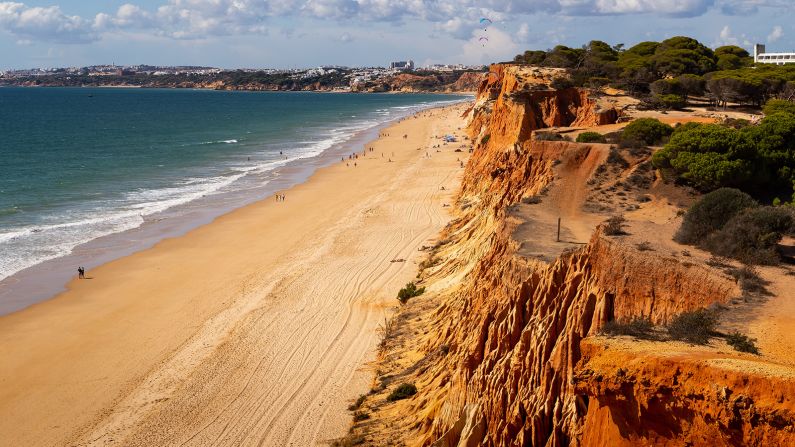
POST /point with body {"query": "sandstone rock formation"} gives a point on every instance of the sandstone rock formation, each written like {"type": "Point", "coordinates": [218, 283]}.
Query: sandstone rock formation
{"type": "Point", "coordinates": [508, 351]}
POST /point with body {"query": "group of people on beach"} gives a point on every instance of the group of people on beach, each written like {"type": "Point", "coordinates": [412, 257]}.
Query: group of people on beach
{"type": "Point", "coordinates": [81, 272]}
{"type": "Point", "coordinates": [280, 197]}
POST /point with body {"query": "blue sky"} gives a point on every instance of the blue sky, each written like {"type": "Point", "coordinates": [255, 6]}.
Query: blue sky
{"type": "Point", "coordinates": [306, 33]}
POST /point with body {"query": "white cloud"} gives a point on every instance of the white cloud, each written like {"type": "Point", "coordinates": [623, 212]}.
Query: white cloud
{"type": "Point", "coordinates": [745, 7]}
{"type": "Point", "coordinates": [523, 34]}
{"type": "Point", "coordinates": [48, 24]}
{"type": "Point", "coordinates": [727, 37]}
{"type": "Point", "coordinates": [455, 27]}
{"type": "Point", "coordinates": [668, 7]}
{"type": "Point", "coordinates": [500, 46]}
{"type": "Point", "coordinates": [776, 34]}
{"type": "Point", "coordinates": [187, 19]}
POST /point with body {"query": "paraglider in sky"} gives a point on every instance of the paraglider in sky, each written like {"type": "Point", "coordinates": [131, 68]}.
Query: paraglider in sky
{"type": "Point", "coordinates": [483, 40]}
{"type": "Point", "coordinates": [485, 22]}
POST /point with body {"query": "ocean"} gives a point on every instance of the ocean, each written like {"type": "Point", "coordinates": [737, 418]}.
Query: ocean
{"type": "Point", "coordinates": [79, 164]}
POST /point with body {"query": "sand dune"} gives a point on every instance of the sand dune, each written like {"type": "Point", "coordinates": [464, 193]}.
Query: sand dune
{"type": "Point", "coordinates": [253, 330]}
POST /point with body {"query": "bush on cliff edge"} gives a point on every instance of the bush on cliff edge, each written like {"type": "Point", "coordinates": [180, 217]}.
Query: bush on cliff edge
{"type": "Point", "coordinates": [693, 327]}
{"type": "Point", "coordinates": [410, 291]}
{"type": "Point", "coordinates": [405, 390]}
{"type": "Point", "coordinates": [711, 213]}
{"type": "Point", "coordinates": [591, 137]}
{"type": "Point", "coordinates": [742, 343]}
{"type": "Point", "coordinates": [752, 236]}
{"type": "Point", "coordinates": [729, 223]}
{"type": "Point", "coordinates": [647, 130]}
{"type": "Point", "coordinates": [638, 327]}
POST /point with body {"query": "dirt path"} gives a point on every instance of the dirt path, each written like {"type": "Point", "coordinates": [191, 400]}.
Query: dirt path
{"type": "Point", "coordinates": [564, 200]}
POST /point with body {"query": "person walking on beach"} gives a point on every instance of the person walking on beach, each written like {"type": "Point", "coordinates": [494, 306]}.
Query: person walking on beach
{"type": "Point", "coordinates": [81, 273]}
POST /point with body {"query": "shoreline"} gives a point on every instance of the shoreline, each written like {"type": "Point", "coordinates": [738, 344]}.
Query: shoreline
{"type": "Point", "coordinates": [391, 92]}
{"type": "Point", "coordinates": [45, 280]}
{"type": "Point", "coordinates": [255, 326]}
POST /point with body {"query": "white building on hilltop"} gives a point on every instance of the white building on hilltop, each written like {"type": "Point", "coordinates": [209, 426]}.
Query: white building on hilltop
{"type": "Point", "coordinates": [402, 65]}
{"type": "Point", "coordinates": [762, 57]}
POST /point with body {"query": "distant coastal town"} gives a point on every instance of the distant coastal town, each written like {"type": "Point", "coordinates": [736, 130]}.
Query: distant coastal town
{"type": "Point", "coordinates": [400, 76]}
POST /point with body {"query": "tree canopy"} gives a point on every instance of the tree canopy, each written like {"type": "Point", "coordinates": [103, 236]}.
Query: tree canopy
{"type": "Point", "coordinates": [689, 68]}
{"type": "Point", "coordinates": [757, 159]}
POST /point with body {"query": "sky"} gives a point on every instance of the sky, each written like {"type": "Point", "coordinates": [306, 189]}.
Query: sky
{"type": "Point", "coordinates": [307, 33]}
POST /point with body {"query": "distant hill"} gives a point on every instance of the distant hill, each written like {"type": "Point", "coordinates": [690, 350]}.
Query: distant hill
{"type": "Point", "coordinates": [354, 80]}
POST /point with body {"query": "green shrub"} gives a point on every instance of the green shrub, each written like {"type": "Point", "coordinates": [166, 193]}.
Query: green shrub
{"type": "Point", "coordinates": [359, 401]}
{"type": "Point", "coordinates": [671, 101]}
{"type": "Point", "coordinates": [614, 158]}
{"type": "Point", "coordinates": [748, 279]}
{"type": "Point", "coordinates": [561, 83]}
{"type": "Point", "coordinates": [663, 87]}
{"type": "Point", "coordinates": [742, 343]}
{"type": "Point", "coordinates": [711, 213]}
{"type": "Point", "coordinates": [614, 226]}
{"type": "Point", "coordinates": [637, 327]}
{"type": "Point", "coordinates": [403, 391]}
{"type": "Point", "coordinates": [485, 139]}
{"type": "Point", "coordinates": [647, 130]}
{"type": "Point", "coordinates": [693, 327]}
{"type": "Point", "coordinates": [736, 123]}
{"type": "Point", "coordinates": [410, 291]}
{"type": "Point", "coordinates": [752, 236]}
{"type": "Point", "coordinates": [591, 137]}
{"type": "Point", "coordinates": [755, 159]}
{"type": "Point", "coordinates": [779, 105]}
{"type": "Point", "coordinates": [550, 136]}
{"type": "Point", "coordinates": [360, 416]}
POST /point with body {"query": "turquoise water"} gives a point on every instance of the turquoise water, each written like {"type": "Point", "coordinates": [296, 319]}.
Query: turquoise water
{"type": "Point", "coordinates": [78, 164]}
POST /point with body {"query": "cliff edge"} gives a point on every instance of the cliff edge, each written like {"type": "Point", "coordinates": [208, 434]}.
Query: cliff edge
{"type": "Point", "coordinates": [505, 347]}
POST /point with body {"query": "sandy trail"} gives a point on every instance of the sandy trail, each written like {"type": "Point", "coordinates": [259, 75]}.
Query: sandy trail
{"type": "Point", "coordinates": [252, 330]}
{"type": "Point", "coordinates": [564, 200]}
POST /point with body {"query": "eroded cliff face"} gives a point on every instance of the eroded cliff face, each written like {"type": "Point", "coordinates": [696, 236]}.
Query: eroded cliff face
{"type": "Point", "coordinates": [508, 352]}
{"type": "Point", "coordinates": [513, 101]}
{"type": "Point", "coordinates": [640, 395]}
{"type": "Point", "coordinates": [515, 336]}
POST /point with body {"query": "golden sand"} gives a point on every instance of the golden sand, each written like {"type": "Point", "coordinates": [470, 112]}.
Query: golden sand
{"type": "Point", "coordinates": [252, 330]}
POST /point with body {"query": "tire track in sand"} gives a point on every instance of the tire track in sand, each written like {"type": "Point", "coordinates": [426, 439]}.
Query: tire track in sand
{"type": "Point", "coordinates": [279, 365]}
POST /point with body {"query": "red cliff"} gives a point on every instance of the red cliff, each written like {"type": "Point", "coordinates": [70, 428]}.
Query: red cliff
{"type": "Point", "coordinates": [505, 350]}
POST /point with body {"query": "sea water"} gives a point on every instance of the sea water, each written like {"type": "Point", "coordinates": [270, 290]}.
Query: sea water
{"type": "Point", "coordinates": [77, 164]}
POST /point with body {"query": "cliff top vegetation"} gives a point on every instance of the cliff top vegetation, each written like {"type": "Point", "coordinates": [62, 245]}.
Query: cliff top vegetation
{"type": "Point", "coordinates": [667, 73]}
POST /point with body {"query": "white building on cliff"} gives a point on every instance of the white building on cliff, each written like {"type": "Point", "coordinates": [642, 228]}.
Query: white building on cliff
{"type": "Point", "coordinates": [402, 65]}
{"type": "Point", "coordinates": [762, 57]}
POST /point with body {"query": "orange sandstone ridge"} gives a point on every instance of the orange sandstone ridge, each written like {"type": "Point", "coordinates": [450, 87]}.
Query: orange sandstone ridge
{"type": "Point", "coordinates": [505, 346]}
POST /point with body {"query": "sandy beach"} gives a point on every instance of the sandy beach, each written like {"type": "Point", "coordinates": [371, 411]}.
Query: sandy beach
{"type": "Point", "coordinates": [255, 329]}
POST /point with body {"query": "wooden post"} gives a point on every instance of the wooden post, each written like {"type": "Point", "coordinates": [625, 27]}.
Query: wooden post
{"type": "Point", "coordinates": [558, 239]}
